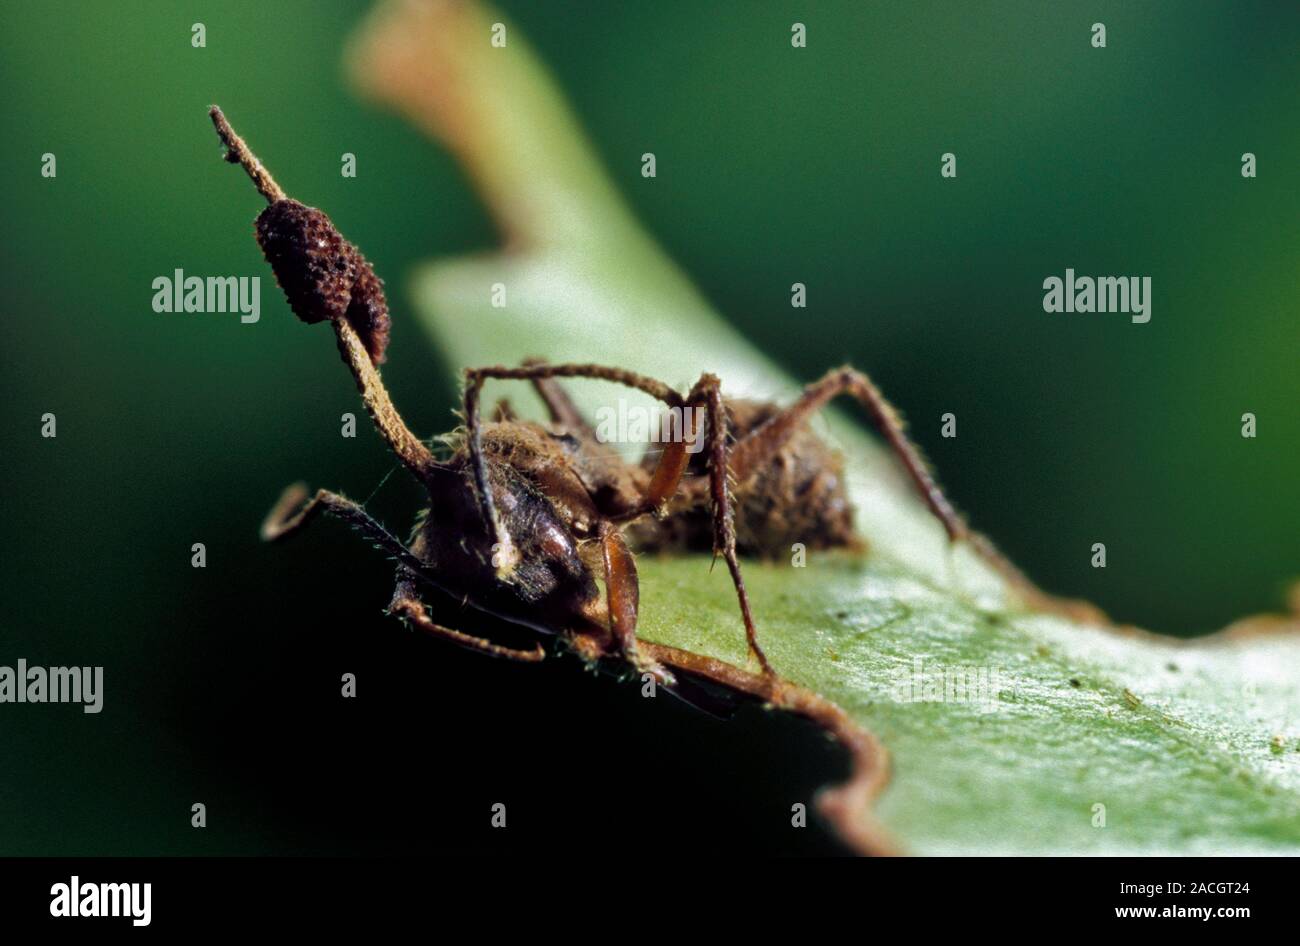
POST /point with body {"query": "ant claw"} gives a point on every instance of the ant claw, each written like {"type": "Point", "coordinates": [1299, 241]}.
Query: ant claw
{"type": "Point", "coordinates": [664, 677]}
{"type": "Point", "coordinates": [645, 665]}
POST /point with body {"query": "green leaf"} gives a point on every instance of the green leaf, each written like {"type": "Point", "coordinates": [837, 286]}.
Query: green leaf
{"type": "Point", "coordinates": [1036, 720]}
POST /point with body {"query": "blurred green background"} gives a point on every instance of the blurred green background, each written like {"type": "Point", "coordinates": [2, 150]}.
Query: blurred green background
{"type": "Point", "coordinates": [775, 166]}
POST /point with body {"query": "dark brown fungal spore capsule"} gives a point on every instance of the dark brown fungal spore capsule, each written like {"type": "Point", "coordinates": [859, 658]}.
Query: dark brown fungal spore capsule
{"type": "Point", "coordinates": [368, 310]}
{"type": "Point", "coordinates": [323, 275]}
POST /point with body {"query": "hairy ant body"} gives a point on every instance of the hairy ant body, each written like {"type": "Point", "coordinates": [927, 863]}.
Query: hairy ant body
{"type": "Point", "coordinates": [527, 520]}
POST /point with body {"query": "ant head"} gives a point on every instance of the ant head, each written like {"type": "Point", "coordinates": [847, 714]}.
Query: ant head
{"type": "Point", "coordinates": [534, 567]}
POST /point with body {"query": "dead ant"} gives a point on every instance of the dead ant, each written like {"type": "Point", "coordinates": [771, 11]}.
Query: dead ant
{"type": "Point", "coordinates": [525, 517]}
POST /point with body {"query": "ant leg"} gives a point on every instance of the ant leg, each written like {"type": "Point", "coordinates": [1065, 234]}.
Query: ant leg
{"type": "Point", "coordinates": [291, 514]}
{"type": "Point", "coordinates": [709, 388]}
{"type": "Point", "coordinates": [408, 606]}
{"type": "Point", "coordinates": [672, 461]}
{"type": "Point", "coordinates": [558, 403]}
{"type": "Point", "coordinates": [763, 443]}
{"type": "Point", "coordinates": [533, 369]}
{"type": "Point", "coordinates": [504, 411]}
{"type": "Point", "coordinates": [622, 593]}
{"type": "Point", "coordinates": [282, 522]}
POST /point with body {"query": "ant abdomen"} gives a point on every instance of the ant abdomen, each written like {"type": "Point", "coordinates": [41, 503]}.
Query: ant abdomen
{"type": "Point", "coordinates": [796, 499]}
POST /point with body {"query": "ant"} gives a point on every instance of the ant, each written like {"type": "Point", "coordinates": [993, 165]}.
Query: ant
{"type": "Point", "coordinates": [527, 520]}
